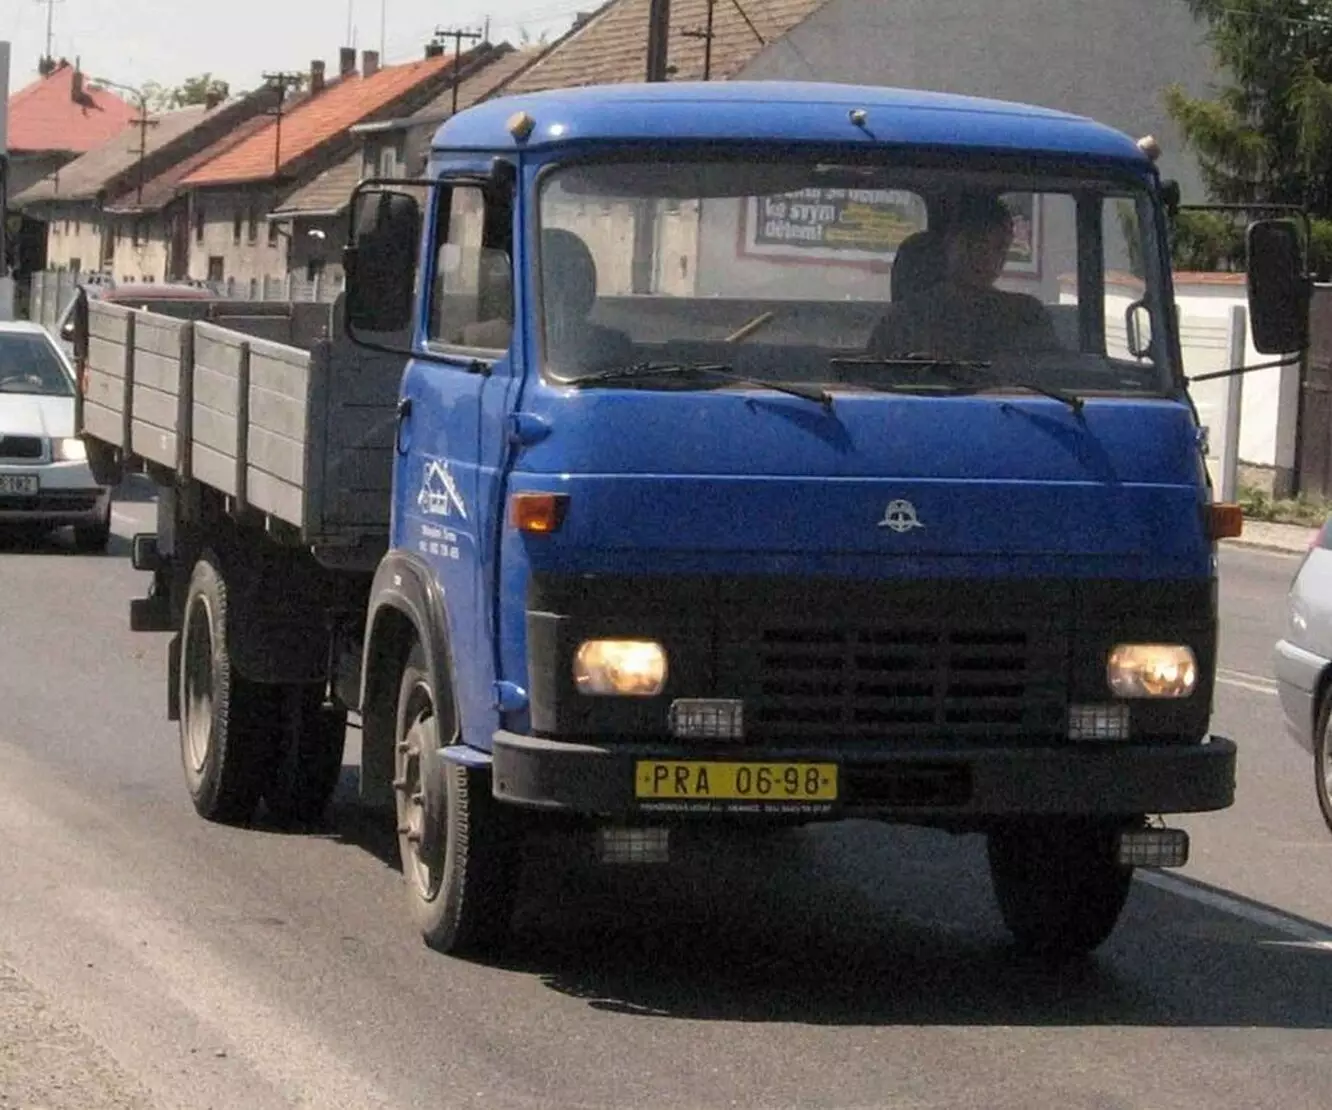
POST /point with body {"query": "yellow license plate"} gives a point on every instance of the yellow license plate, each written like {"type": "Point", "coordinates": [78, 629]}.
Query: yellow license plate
{"type": "Point", "coordinates": [702, 781]}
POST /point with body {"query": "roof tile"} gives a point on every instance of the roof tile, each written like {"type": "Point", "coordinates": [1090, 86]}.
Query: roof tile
{"type": "Point", "coordinates": [45, 115]}
{"type": "Point", "coordinates": [611, 47]}
{"type": "Point", "coordinates": [312, 124]}
{"type": "Point", "coordinates": [327, 193]}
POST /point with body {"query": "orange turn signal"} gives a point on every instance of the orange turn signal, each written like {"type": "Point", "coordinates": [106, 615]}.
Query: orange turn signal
{"type": "Point", "coordinates": [1225, 520]}
{"type": "Point", "coordinates": [541, 513]}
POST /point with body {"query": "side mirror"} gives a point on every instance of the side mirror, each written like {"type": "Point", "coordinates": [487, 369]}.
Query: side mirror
{"type": "Point", "coordinates": [1278, 288]}
{"type": "Point", "coordinates": [380, 262]}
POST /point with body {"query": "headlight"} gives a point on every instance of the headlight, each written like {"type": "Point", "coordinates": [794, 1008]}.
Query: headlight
{"type": "Point", "coordinates": [623, 668]}
{"type": "Point", "coordinates": [1152, 671]}
{"type": "Point", "coordinates": [69, 450]}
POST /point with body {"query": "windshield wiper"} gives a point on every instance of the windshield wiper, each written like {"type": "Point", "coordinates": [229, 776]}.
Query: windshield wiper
{"type": "Point", "coordinates": [717, 370]}
{"type": "Point", "coordinates": [956, 367]}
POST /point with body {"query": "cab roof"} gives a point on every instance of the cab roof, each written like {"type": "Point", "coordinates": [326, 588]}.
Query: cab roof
{"type": "Point", "coordinates": [791, 111]}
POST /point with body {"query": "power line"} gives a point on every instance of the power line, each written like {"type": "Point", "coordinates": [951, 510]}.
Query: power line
{"type": "Point", "coordinates": [50, 28]}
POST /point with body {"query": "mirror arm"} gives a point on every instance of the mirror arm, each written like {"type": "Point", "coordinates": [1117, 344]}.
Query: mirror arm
{"type": "Point", "coordinates": [1294, 360]}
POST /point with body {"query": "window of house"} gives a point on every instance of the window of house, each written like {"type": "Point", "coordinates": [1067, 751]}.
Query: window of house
{"type": "Point", "coordinates": [136, 236]}
{"type": "Point", "coordinates": [78, 227]}
{"type": "Point", "coordinates": [216, 268]}
{"type": "Point", "coordinates": [471, 302]}
{"type": "Point", "coordinates": [199, 225]}
{"type": "Point", "coordinates": [272, 233]}
{"type": "Point", "coordinates": [236, 224]}
{"type": "Point", "coordinates": [252, 230]}
{"type": "Point", "coordinates": [76, 265]}
{"type": "Point", "coordinates": [314, 270]}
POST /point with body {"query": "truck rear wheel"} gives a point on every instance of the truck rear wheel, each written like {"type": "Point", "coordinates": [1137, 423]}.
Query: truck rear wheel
{"type": "Point", "coordinates": [459, 858]}
{"type": "Point", "coordinates": [1059, 888]}
{"type": "Point", "coordinates": [307, 754]}
{"type": "Point", "coordinates": [223, 726]}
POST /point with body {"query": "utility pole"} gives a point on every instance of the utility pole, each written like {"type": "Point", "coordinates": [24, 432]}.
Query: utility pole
{"type": "Point", "coordinates": [143, 121]}
{"type": "Point", "coordinates": [659, 33]}
{"type": "Point", "coordinates": [707, 36]}
{"type": "Point", "coordinates": [457, 35]}
{"type": "Point", "coordinates": [280, 81]}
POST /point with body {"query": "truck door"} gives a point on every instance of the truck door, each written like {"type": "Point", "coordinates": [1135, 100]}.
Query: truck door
{"type": "Point", "coordinates": [452, 424]}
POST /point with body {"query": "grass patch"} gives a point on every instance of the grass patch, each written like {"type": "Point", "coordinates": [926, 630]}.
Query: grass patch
{"type": "Point", "coordinates": [1308, 512]}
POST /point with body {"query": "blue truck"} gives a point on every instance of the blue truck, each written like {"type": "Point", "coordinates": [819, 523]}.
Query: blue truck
{"type": "Point", "coordinates": [684, 458]}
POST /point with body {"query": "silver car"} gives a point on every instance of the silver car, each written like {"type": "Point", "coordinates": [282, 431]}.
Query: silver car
{"type": "Point", "coordinates": [45, 482]}
{"type": "Point", "coordinates": [1303, 660]}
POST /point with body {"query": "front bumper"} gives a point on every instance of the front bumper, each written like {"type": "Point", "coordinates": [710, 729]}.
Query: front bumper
{"type": "Point", "coordinates": [67, 493]}
{"type": "Point", "coordinates": [945, 785]}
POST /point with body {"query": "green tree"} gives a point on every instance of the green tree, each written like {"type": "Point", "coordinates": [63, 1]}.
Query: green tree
{"type": "Point", "coordinates": [193, 90]}
{"type": "Point", "coordinates": [1265, 136]}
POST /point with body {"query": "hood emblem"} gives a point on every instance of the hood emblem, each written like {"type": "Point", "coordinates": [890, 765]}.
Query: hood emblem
{"type": "Point", "coordinates": [901, 517]}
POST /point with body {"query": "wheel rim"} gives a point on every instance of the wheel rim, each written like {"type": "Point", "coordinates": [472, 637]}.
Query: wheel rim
{"type": "Point", "coordinates": [418, 822]}
{"type": "Point", "coordinates": [198, 694]}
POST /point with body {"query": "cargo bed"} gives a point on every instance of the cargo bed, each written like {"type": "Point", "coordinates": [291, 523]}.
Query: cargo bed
{"type": "Point", "coordinates": [302, 436]}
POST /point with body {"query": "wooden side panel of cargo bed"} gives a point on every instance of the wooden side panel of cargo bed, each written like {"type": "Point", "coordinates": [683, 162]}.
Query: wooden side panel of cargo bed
{"type": "Point", "coordinates": [109, 373]}
{"type": "Point", "coordinates": [159, 417]}
{"type": "Point", "coordinates": [221, 370]}
{"type": "Point", "coordinates": [276, 447]}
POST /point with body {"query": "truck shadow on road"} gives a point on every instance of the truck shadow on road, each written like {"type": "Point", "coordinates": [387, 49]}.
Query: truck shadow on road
{"type": "Point", "coordinates": [906, 935]}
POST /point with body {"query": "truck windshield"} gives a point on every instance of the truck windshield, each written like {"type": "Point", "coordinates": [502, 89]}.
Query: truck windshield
{"type": "Point", "coordinates": [853, 276]}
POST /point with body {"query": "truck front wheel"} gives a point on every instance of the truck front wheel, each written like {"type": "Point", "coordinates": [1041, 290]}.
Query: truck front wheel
{"type": "Point", "coordinates": [1059, 887]}
{"type": "Point", "coordinates": [223, 730]}
{"type": "Point", "coordinates": [459, 856]}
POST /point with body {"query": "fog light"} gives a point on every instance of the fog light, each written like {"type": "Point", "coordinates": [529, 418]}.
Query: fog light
{"type": "Point", "coordinates": [707, 718]}
{"type": "Point", "coordinates": [1154, 848]}
{"type": "Point", "coordinates": [1098, 722]}
{"type": "Point", "coordinates": [620, 668]}
{"type": "Point", "coordinates": [1152, 671]}
{"type": "Point", "coordinates": [634, 845]}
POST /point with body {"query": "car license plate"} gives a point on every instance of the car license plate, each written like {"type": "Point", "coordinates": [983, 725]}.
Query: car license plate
{"type": "Point", "coordinates": [18, 483]}
{"type": "Point", "coordinates": [705, 781]}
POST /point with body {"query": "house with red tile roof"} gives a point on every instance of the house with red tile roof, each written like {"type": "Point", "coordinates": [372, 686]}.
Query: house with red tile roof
{"type": "Point", "coordinates": [72, 201]}
{"type": "Point", "coordinates": [55, 119]}
{"type": "Point", "coordinates": [230, 195]}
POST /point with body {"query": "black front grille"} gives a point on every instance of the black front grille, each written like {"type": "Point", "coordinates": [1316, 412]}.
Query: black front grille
{"type": "Point", "coordinates": [929, 681]}
{"type": "Point", "coordinates": [50, 502]}
{"type": "Point", "coordinates": [20, 447]}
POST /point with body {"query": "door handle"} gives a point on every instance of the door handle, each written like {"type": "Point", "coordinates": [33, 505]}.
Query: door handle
{"type": "Point", "coordinates": [404, 414]}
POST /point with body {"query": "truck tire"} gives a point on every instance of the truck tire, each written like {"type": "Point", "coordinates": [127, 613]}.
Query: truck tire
{"type": "Point", "coordinates": [224, 730]}
{"type": "Point", "coordinates": [1059, 889]}
{"type": "Point", "coordinates": [307, 755]}
{"type": "Point", "coordinates": [459, 856]}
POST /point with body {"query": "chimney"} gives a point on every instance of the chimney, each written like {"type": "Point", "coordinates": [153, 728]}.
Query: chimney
{"type": "Point", "coordinates": [581, 18]}
{"type": "Point", "coordinates": [346, 61]}
{"type": "Point", "coordinates": [76, 93]}
{"type": "Point", "coordinates": [369, 63]}
{"type": "Point", "coordinates": [316, 76]}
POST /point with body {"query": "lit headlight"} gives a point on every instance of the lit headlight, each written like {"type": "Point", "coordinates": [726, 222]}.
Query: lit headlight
{"type": "Point", "coordinates": [620, 668]}
{"type": "Point", "coordinates": [1152, 671]}
{"type": "Point", "coordinates": [69, 450]}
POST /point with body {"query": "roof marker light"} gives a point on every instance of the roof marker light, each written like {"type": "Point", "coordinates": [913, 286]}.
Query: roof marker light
{"type": "Point", "coordinates": [521, 125]}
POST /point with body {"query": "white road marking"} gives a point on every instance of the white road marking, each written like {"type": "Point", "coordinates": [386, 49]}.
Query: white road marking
{"type": "Point", "coordinates": [1243, 680]}
{"type": "Point", "coordinates": [1298, 931]}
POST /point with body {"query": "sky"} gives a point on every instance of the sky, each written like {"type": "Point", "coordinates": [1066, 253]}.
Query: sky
{"type": "Point", "coordinates": [135, 41]}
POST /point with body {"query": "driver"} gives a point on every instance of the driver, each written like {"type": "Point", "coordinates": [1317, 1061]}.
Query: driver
{"type": "Point", "coordinates": [965, 316]}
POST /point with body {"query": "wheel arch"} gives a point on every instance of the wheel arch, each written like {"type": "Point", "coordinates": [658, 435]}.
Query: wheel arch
{"type": "Point", "coordinates": [406, 606]}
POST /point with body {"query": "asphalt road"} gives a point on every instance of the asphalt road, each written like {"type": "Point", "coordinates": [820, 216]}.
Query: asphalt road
{"type": "Point", "coordinates": [846, 967]}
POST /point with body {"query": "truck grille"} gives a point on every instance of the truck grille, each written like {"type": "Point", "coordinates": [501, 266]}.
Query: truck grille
{"type": "Point", "coordinates": [940, 680]}
{"type": "Point", "coordinates": [20, 447]}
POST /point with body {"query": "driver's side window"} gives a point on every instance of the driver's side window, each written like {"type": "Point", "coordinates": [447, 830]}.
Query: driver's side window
{"type": "Point", "coordinates": [471, 299]}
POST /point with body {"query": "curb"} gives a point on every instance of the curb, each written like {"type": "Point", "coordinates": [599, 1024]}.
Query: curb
{"type": "Point", "coordinates": [1259, 545]}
